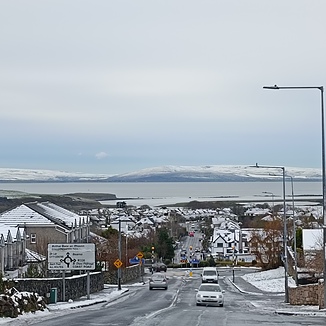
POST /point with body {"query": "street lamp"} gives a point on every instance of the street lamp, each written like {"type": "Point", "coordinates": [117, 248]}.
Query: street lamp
{"type": "Point", "coordinates": [321, 88]}
{"type": "Point", "coordinates": [120, 251]}
{"type": "Point", "coordinates": [294, 235]}
{"type": "Point", "coordinates": [285, 260]}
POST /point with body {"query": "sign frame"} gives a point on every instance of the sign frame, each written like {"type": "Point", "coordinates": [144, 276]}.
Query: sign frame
{"type": "Point", "coordinates": [71, 256]}
{"type": "Point", "coordinates": [117, 263]}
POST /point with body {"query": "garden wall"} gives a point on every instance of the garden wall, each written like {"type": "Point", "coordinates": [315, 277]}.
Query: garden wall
{"type": "Point", "coordinates": [131, 273]}
{"type": "Point", "coordinates": [311, 294]}
{"type": "Point", "coordinates": [75, 286]}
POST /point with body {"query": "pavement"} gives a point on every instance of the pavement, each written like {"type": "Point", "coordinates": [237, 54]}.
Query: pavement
{"type": "Point", "coordinates": [277, 305]}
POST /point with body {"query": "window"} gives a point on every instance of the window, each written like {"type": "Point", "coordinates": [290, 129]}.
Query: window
{"type": "Point", "coordinates": [33, 238]}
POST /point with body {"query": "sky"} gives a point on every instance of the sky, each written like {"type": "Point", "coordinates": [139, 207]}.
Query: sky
{"type": "Point", "coordinates": [113, 87]}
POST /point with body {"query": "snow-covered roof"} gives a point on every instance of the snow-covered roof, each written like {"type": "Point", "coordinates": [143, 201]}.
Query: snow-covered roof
{"type": "Point", "coordinates": [256, 211]}
{"type": "Point", "coordinates": [56, 213]}
{"type": "Point", "coordinates": [23, 215]}
{"type": "Point", "coordinates": [226, 235]}
{"type": "Point", "coordinates": [33, 257]}
{"type": "Point", "coordinates": [35, 213]}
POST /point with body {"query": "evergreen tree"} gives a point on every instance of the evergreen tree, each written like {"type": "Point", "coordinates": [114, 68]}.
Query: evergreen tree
{"type": "Point", "coordinates": [164, 246]}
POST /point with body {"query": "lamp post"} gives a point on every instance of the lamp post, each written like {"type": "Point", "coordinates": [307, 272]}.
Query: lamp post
{"type": "Point", "coordinates": [294, 236]}
{"type": "Point", "coordinates": [153, 248]}
{"type": "Point", "coordinates": [119, 249]}
{"type": "Point", "coordinates": [321, 89]}
{"type": "Point", "coordinates": [285, 260]}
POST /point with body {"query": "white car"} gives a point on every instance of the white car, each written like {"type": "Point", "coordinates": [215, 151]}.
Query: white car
{"type": "Point", "coordinates": [210, 294]}
{"type": "Point", "coordinates": [209, 275]}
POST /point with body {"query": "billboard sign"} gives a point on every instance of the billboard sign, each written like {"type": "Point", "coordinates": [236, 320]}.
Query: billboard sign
{"type": "Point", "coordinates": [71, 256]}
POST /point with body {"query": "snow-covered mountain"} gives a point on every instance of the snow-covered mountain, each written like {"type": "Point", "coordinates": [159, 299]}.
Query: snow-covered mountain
{"type": "Point", "coordinates": [207, 173]}
{"type": "Point", "coordinates": [26, 175]}
{"type": "Point", "coordinates": [217, 173]}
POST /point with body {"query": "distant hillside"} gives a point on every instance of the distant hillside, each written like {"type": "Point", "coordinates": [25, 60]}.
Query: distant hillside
{"type": "Point", "coordinates": [215, 173]}
{"type": "Point", "coordinates": [207, 173]}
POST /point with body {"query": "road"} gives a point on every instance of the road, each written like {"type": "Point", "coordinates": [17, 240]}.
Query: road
{"type": "Point", "coordinates": [187, 248]}
{"type": "Point", "coordinates": [176, 306]}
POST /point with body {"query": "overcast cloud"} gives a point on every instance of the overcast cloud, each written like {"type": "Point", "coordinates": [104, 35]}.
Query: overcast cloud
{"type": "Point", "coordinates": [117, 86]}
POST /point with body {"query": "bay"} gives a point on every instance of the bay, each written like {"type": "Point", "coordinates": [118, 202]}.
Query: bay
{"type": "Point", "coordinates": [163, 193]}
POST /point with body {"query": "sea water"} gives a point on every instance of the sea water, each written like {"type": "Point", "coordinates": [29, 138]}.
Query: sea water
{"type": "Point", "coordinates": [163, 193]}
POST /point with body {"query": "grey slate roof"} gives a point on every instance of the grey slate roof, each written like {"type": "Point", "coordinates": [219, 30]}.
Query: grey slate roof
{"type": "Point", "coordinates": [35, 213]}
{"type": "Point", "coordinates": [55, 213]}
{"type": "Point", "coordinates": [23, 215]}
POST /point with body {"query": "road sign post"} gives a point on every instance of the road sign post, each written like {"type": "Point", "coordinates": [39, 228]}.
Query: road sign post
{"type": "Point", "coordinates": [71, 256]}
{"type": "Point", "coordinates": [140, 256]}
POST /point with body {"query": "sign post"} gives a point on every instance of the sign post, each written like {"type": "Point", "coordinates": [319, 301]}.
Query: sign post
{"type": "Point", "coordinates": [140, 256]}
{"type": "Point", "coordinates": [71, 256]}
{"type": "Point", "coordinates": [118, 263]}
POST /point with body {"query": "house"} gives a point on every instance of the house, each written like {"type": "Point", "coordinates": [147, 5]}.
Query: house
{"type": "Point", "coordinates": [123, 223]}
{"type": "Point", "coordinates": [45, 223]}
{"type": "Point", "coordinates": [12, 248]}
{"type": "Point", "coordinates": [256, 211]}
{"type": "Point", "coordinates": [230, 243]}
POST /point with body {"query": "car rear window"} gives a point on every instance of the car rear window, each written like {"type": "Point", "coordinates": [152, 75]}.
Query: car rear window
{"type": "Point", "coordinates": [209, 273]}
{"type": "Point", "coordinates": [206, 287]}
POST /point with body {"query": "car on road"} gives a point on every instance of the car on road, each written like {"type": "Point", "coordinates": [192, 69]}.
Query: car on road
{"type": "Point", "coordinates": [209, 275]}
{"type": "Point", "coordinates": [210, 294]}
{"type": "Point", "coordinates": [158, 281]}
{"type": "Point", "coordinates": [159, 267]}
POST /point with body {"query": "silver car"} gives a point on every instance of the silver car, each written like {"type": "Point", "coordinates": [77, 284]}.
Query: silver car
{"type": "Point", "coordinates": [158, 281]}
{"type": "Point", "coordinates": [210, 294]}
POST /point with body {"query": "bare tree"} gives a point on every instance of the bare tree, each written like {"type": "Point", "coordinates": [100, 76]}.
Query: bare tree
{"type": "Point", "coordinates": [266, 243]}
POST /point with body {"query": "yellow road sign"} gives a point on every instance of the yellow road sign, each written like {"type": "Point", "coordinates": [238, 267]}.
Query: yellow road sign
{"type": "Point", "coordinates": [140, 255]}
{"type": "Point", "coordinates": [118, 263]}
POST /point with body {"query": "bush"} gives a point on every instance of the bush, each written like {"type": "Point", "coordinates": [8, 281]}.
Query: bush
{"type": "Point", "coordinates": [14, 303]}
{"type": "Point", "coordinates": [167, 262]}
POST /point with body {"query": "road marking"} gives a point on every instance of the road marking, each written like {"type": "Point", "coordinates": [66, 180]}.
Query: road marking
{"type": "Point", "coordinates": [153, 314]}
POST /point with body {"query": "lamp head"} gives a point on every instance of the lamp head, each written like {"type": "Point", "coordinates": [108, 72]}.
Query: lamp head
{"type": "Point", "coordinates": [271, 87]}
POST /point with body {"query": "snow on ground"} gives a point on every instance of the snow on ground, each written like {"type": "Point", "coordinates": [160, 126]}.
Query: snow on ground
{"type": "Point", "coordinates": [270, 281]}
{"type": "Point", "coordinates": [109, 293]}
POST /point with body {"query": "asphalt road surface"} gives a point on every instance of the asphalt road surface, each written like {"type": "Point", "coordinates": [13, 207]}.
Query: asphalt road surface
{"type": "Point", "coordinates": [176, 306]}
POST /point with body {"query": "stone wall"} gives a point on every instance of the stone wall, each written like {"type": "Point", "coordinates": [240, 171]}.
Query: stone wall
{"type": "Point", "coordinates": [75, 286]}
{"type": "Point", "coordinates": [312, 294]}
{"type": "Point", "coordinates": [131, 273]}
